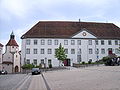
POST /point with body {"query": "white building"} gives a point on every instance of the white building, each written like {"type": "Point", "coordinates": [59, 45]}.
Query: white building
{"type": "Point", "coordinates": [11, 57]}
{"type": "Point", "coordinates": [83, 41]}
{"type": "Point", "coordinates": [1, 51]}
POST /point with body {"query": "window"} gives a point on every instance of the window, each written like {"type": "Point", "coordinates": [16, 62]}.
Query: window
{"type": "Point", "coordinates": [117, 51]}
{"type": "Point", "coordinates": [28, 61]}
{"type": "Point", "coordinates": [109, 42]}
{"type": "Point", "coordinates": [42, 61]}
{"type": "Point", "coordinates": [55, 50]}
{"type": "Point", "coordinates": [116, 42]}
{"type": "Point", "coordinates": [72, 42]}
{"type": "Point", "coordinates": [79, 51]}
{"type": "Point", "coordinates": [65, 42]}
{"type": "Point", "coordinates": [90, 42]}
{"type": "Point", "coordinates": [49, 61]}
{"type": "Point", "coordinates": [102, 42]}
{"type": "Point", "coordinates": [49, 42]}
{"type": "Point", "coordinates": [96, 42]}
{"type": "Point", "coordinates": [97, 51]}
{"type": "Point", "coordinates": [102, 51]}
{"type": "Point", "coordinates": [78, 42]}
{"type": "Point", "coordinates": [35, 42]}
{"type": "Point", "coordinates": [56, 42]}
{"type": "Point", "coordinates": [42, 51]}
{"type": "Point", "coordinates": [49, 51]}
{"type": "Point", "coordinates": [35, 51]}
{"type": "Point", "coordinates": [90, 51]}
{"type": "Point", "coordinates": [28, 51]}
{"type": "Point", "coordinates": [72, 51]}
{"type": "Point", "coordinates": [66, 51]}
{"type": "Point", "coordinates": [78, 58]}
{"type": "Point", "coordinates": [42, 42]}
{"type": "Point", "coordinates": [35, 61]}
{"type": "Point", "coordinates": [27, 42]}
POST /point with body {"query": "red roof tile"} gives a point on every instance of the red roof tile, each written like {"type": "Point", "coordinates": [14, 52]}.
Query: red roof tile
{"type": "Point", "coordinates": [64, 29]}
{"type": "Point", "coordinates": [1, 45]}
{"type": "Point", "coordinates": [12, 42]}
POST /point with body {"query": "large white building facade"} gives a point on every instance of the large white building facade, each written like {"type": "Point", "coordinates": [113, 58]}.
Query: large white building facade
{"type": "Point", "coordinates": [82, 41]}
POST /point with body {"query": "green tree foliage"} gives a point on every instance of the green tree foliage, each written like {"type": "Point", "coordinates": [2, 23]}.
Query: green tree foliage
{"type": "Point", "coordinates": [60, 53]}
{"type": "Point", "coordinates": [30, 66]}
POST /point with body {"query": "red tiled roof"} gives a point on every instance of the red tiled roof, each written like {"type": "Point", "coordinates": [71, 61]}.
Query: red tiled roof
{"type": "Point", "coordinates": [12, 42]}
{"type": "Point", "coordinates": [1, 45]}
{"type": "Point", "coordinates": [64, 29]}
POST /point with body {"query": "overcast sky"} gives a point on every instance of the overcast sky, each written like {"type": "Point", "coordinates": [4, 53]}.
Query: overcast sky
{"type": "Point", "coordinates": [20, 15]}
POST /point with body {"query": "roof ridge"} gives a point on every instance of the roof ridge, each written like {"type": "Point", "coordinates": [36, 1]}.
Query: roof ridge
{"type": "Point", "coordinates": [73, 22]}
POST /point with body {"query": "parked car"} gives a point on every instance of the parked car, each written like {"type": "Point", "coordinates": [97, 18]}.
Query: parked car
{"type": "Point", "coordinates": [3, 72]}
{"type": "Point", "coordinates": [36, 71]}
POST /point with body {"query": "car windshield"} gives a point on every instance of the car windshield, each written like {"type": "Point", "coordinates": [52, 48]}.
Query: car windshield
{"type": "Point", "coordinates": [35, 68]}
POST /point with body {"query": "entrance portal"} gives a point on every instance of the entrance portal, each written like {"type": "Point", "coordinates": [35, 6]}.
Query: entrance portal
{"type": "Point", "coordinates": [67, 62]}
{"type": "Point", "coordinates": [16, 68]}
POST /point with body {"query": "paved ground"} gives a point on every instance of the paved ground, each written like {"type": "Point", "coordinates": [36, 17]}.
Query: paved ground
{"type": "Point", "coordinates": [12, 81]}
{"type": "Point", "coordinates": [89, 78]}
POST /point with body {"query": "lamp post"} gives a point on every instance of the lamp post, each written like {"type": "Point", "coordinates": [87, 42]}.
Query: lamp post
{"type": "Point", "coordinates": [45, 62]}
{"type": "Point", "coordinates": [12, 61]}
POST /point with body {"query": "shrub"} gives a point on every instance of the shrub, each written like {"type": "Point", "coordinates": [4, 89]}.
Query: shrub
{"type": "Point", "coordinates": [83, 62]}
{"type": "Point", "coordinates": [90, 61]}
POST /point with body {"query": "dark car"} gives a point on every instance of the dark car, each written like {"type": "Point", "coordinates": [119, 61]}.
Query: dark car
{"type": "Point", "coordinates": [36, 71]}
{"type": "Point", "coordinates": [3, 72]}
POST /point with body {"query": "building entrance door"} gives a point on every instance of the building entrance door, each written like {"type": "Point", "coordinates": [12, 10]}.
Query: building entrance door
{"type": "Point", "coordinates": [16, 68]}
{"type": "Point", "coordinates": [67, 62]}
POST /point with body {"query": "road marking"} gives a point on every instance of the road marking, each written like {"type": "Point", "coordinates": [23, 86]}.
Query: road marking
{"type": "Point", "coordinates": [21, 83]}
{"type": "Point", "coordinates": [37, 83]}
{"type": "Point", "coordinates": [47, 86]}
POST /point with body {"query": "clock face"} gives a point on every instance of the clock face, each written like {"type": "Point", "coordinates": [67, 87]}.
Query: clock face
{"type": "Point", "coordinates": [84, 34]}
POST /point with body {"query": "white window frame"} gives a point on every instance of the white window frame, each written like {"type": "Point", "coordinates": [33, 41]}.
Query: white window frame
{"type": "Point", "coordinates": [66, 51]}
{"type": "Point", "coordinates": [35, 61]}
{"type": "Point", "coordinates": [49, 51]}
{"type": "Point", "coordinates": [102, 42]}
{"type": "Point", "coordinates": [35, 42]}
{"type": "Point", "coordinates": [90, 51]}
{"type": "Point", "coordinates": [35, 51]}
{"type": "Point", "coordinates": [56, 42]}
{"type": "Point", "coordinates": [116, 42]}
{"type": "Point", "coordinates": [42, 42]}
{"type": "Point", "coordinates": [27, 61]}
{"type": "Point", "coordinates": [102, 51]}
{"type": "Point", "coordinates": [109, 42]}
{"type": "Point", "coordinates": [42, 51]}
{"type": "Point", "coordinates": [72, 51]}
{"type": "Point", "coordinates": [28, 42]}
{"type": "Point", "coordinates": [27, 50]}
{"type": "Point", "coordinates": [78, 42]}
{"type": "Point", "coordinates": [65, 42]}
{"type": "Point", "coordinates": [90, 42]}
{"type": "Point", "coordinates": [72, 42]}
{"type": "Point", "coordinates": [49, 42]}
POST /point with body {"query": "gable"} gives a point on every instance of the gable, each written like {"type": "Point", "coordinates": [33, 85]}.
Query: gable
{"type": "Point", "coordinates": [84, 34]}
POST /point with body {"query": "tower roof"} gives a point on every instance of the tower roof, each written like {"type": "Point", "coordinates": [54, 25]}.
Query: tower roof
{"type": "Point", "coordinates": [1, 45]}
{"type": "Point", "coordinates": [12, 41]}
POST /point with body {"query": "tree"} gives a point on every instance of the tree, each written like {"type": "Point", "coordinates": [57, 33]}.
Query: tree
{"type": "Point", "coordinates": [60, 54]}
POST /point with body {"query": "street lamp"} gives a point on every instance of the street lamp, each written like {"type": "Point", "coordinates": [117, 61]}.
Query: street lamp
{"type": "Point", "coordinates": [45, 62]}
